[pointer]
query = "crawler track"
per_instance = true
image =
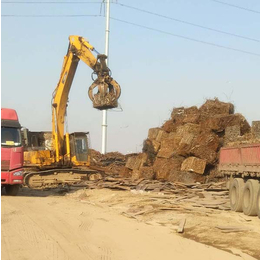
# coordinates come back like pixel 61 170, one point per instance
pixel 53 178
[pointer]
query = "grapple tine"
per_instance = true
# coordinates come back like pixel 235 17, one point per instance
pixel 107 95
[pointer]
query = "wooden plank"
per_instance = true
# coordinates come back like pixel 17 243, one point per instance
pixel 181 226
pixel 232 228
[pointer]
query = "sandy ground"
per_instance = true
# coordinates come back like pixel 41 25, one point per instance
pixel 101 224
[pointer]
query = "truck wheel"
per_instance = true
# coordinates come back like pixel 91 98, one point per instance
pixel 258 202
pixel 250 197
pixel 236 194
pixel 12 190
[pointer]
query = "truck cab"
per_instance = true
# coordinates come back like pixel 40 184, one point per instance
pixel 11 152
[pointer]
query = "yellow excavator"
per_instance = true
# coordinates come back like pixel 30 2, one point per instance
pixel 57 157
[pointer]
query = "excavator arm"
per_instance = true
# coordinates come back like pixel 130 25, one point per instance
pixel 106 97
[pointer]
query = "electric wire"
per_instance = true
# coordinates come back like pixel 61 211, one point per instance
pixel 50 2
pixel 189 23
pixel 46 15
pixel 237 6
pixel 145 27
pixel 186 37
pixel 140 10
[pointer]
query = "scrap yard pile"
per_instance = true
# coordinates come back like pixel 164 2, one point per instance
pixel 186 147
pixel 112 162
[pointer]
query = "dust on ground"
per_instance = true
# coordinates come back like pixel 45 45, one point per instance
pixel 110 224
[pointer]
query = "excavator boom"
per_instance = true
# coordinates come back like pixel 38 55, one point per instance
pixel 106 97
pixel 66 159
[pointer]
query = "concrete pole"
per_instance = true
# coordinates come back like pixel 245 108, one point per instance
pixel 104 121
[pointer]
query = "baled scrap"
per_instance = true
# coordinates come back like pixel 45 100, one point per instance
pixel 153 132
pixel 169 147
pixel 221 122
pixel 256 129
pixel 147 172
pixel 188 129
pixel 164 167
pixel 209 139
pixel 204 153
pixel 136 174
pixel 193 164
pixel 161 135
pixel 215 107
pixel 135 162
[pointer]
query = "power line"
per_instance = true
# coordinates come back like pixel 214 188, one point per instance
pixel 236 6
pixel 140 10
pixel 189 23
pixel 145 27
pixel 187 38
pixel 46 15
pixel 50 2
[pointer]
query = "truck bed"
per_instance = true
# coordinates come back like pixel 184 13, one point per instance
pixel 240 160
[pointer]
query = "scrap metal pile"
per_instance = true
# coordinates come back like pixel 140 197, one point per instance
pixel 185 148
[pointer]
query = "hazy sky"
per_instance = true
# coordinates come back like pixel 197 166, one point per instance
pixel 154 58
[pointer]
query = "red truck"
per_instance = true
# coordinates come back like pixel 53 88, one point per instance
pixel 11 152
pixel 242 165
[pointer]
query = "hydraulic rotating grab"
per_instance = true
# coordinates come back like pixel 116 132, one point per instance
pixel 104 91
pixel 108 90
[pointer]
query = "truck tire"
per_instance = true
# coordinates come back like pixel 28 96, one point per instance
pixel 12 190
pixel 250 197
pixel 258 202
pixel 236 189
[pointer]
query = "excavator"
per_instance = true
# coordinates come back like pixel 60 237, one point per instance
pixel 57 157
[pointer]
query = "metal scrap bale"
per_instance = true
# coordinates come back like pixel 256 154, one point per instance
pixel 152 133
pixel 192 118
pixel 205 153
pixel 256 129
pixel 130 162
pixel 161 135
pixel 169 147
pixel 136 174
pixel 150 148
pixel 220 123
pixel 191 110
pixel 232 133
pixel 125 172
pixel 164 167
pixel 177 114
pixel 208 139
pixel 185 145
pixel 185 177
pixel 169 126
pixel 188 129
pixel 193 164
pixel 135 162
pixel 156 145
pixel 215 107
pixel 179 142
pixel 147 173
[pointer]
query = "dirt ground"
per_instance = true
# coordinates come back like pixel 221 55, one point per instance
pixel 105 224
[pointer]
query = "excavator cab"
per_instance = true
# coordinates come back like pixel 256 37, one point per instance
pixel 79 149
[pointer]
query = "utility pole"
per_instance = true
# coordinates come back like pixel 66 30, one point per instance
pixel 104 121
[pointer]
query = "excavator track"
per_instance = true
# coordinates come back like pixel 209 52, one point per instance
pixel 54 178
